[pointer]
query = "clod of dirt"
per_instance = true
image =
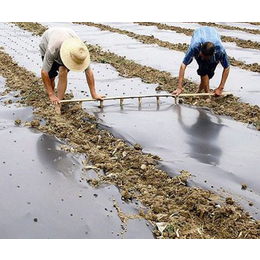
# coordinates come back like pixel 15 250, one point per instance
pixel 18 122
pixel 138 147
pixel 27 124
pixel 244 186
pixel 229 201
pixel 8 102
pixel 93 182
pixel 35 123
pixel 126 195
pixel 143 167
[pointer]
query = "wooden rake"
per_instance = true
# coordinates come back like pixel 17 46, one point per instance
pixel 140 97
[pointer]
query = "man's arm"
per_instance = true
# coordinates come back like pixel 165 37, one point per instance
pixel 46 67
pixel 226 67
pixel 47 83
pixel 186 61
pixel 178 91
pixel 91 83
pixel 218 91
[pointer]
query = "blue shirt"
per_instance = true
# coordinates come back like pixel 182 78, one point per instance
pixel 200 36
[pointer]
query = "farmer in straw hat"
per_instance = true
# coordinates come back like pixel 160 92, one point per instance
pixel 62 51
pixel 206 47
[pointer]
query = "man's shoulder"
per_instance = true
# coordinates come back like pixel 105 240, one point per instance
pixel 220 49
pixel 195 46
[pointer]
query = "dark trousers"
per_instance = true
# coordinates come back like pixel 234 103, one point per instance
pixel 54 69
pixel 206 68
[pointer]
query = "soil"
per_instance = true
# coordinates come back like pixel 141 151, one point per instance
pixel 35 28
pixel 254 23
pixel 178 211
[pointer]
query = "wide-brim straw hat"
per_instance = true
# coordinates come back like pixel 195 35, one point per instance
pixel 75 55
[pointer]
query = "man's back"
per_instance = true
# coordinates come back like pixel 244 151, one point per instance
pixel 50 45
pixel 54 37
pixel 205 34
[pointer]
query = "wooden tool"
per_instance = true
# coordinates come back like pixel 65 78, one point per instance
pixel 140 97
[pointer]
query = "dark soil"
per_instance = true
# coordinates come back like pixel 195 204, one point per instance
pixel 182 211
pixel 254 23
pixel 35 28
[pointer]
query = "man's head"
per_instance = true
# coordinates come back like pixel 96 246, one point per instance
pixel 207 50
pixel 75 55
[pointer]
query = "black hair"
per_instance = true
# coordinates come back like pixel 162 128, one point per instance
pixel 207 49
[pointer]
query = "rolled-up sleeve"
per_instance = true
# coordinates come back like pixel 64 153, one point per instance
pixel 188 56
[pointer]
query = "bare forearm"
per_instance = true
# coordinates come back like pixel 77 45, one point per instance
pixel 218 91
pixel 47 82
pixel 48 86
pixel 224 78
pixel 181 75
pixel 178 91
pixel 91 81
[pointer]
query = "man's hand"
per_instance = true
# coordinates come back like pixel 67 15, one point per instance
pixel 177 92
pixel 98 97
pixel 218 91
pixel 54 100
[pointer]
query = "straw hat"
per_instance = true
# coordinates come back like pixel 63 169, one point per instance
pixel 75 55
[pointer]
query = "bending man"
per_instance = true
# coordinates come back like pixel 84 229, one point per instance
pixel 207 49
pixel 62 51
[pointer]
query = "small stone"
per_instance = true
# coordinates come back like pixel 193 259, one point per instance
pixel 126 194
pixel 143 167
pixel 18 122
pixel 229 201
pixel 137 147
pixel 244 186
pixel 35 123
